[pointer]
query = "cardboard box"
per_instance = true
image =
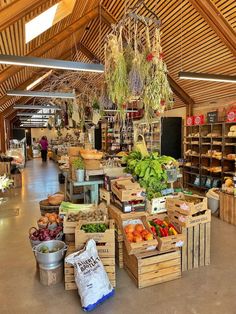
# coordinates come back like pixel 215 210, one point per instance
pixel 92 164
pixel 127 190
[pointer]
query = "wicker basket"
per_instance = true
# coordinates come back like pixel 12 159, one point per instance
pixel 45 207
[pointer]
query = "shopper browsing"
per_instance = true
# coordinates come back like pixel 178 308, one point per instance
pixel 44 148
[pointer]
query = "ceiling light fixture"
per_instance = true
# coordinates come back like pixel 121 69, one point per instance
pixel 25 93
pixel 51 63
pixel 36 107
pixel 207 77
pixel 22 114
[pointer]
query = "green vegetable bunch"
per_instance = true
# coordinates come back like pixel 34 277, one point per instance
pixel 150 171
pixel 93 228
pixel 78 163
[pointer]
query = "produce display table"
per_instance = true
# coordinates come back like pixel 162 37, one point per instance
pixel 228 208
pixel 89 186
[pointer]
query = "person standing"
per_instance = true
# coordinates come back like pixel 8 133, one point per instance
pixel 44 148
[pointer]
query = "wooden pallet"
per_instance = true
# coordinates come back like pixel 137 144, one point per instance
pixel 196 249
pixel 153 268
pixel 108 263
pixel 228 208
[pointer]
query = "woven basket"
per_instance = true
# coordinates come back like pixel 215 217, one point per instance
pixel 45 207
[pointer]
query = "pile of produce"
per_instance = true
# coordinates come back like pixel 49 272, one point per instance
pixel 97 215
pixel 137 233
pixel 50 220
pixel 45 234
pixel 93 228
pixel 70 207
pixel 45 249
pixel 162 228
pixel 150 171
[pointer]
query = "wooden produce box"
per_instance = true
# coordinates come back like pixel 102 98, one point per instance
pixel 104 239
pixel 108 263
pixel 228 208
pixel 172 242
pixel 5 168
pixel 196 249
pixel 186 205
pixel 105 196
pixel 140 247
pixel 190 221
pixel 116 214
pixel 127 190
pixel 157 205
pixel 153 268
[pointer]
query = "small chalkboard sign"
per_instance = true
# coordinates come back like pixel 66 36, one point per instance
pixel 212 117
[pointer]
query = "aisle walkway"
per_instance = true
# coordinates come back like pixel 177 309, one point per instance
pixel 206 290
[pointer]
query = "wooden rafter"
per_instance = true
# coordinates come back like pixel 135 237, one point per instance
pixel 53 42
pixel 109 20
pixel 17 10
pixel 87 53
pixel 217 22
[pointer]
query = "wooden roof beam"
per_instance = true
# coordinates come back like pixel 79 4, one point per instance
pixel 217 22
pixel 109 20
pixel 52 42
pixel 17 10
pixel 88 53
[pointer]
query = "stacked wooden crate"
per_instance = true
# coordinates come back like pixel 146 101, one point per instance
pixel 118 216
pixel 190 213
pixel 228 208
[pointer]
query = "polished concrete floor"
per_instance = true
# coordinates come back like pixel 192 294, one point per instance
pixel 207 290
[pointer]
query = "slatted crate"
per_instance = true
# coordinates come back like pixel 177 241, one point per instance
pixel 196 249
pixel 108 262
pixel 105 196
pixel 228 208
pixel 151 268
pixel 119 244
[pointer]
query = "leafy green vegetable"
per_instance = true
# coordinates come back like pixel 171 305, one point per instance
pixel 93 228
pixel 150 171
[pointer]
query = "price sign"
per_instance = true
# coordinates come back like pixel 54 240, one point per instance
pixel 212 117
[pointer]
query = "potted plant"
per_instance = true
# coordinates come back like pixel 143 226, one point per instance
pixel 78 165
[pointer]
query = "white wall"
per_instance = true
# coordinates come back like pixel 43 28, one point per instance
pixel 178 112
pixel 51 134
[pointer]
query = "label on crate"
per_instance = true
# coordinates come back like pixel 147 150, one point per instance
pixel 151 248
pixel 182 218
pixel 180 243
pixel 184 206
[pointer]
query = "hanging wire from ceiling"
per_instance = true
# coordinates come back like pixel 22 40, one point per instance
pixel 181 36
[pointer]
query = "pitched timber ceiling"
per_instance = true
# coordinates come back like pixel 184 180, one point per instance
pixel 197 36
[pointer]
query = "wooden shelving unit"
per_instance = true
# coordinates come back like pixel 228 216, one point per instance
pixel 151 133
pixel 206 151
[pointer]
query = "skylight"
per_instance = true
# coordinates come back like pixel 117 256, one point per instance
pixel 48 18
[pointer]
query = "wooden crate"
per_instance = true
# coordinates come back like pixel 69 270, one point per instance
pixel 190 221
pixel 184 206
pixel 228 208
pixel 107 237
pixel 171 242
pixel 108 262
pixel 119 246
pixel 105 196
pixel 139 247
pixel 116 214
pixel 153 268
pixel 126 190
pixel 196 249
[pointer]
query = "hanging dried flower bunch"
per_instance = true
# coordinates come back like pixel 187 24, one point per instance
pixel 136 71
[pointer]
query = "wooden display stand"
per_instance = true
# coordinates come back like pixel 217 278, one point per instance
pixel 228 208
pixel 5 168
pixel 151 268
pixel 17 178
pixel 108 263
